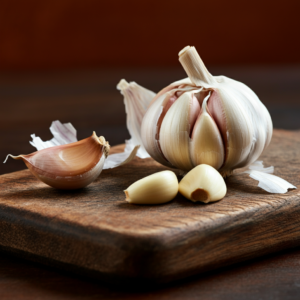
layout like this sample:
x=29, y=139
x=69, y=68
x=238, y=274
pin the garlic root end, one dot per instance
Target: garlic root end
x=127, y=196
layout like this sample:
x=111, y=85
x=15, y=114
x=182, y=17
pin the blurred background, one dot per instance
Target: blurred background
x=62, y=59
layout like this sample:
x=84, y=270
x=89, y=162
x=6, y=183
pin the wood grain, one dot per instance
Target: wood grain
x=94, y=231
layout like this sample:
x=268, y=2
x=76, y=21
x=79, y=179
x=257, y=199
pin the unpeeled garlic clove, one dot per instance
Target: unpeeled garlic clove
x=70, y=166
x=175, y=130
x=203, y=183
x=157, y=188
x=207, y=145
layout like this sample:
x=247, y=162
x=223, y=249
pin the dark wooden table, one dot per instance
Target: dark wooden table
x=88, y=99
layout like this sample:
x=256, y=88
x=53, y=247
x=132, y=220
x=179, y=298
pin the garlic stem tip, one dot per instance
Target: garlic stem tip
x=122, y=85
x=12, y=156
x=185, y=49
x=105, y=144
x=8, y=155
x=127, y=196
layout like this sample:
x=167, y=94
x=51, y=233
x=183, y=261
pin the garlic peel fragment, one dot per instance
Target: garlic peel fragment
x=157, y=188
x=266, y=180
x=136, y=100
x=270, y=183
x=62, y=134
x=119, y=159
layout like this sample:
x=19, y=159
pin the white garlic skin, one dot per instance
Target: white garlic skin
x=234, y=112
x=203, y=183
x=157, y=188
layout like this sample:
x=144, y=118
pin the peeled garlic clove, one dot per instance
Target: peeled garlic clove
x=175, y=131
x=157, y=188
x=70, y=166
x=206, y=146
x=203, y=183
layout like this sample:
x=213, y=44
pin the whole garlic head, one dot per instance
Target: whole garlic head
x=205, y=119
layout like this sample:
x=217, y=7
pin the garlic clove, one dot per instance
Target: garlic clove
x=157, y=188
x=70, y=166
x=153, y=119
x=203, y=183
x=174, y=136
x=149, y=131
x=206, y=146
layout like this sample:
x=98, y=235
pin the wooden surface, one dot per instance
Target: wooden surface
x=30, y=101
x=95, y=232
x=274, y=277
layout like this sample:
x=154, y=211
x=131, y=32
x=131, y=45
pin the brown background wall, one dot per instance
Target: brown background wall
x=53, y=34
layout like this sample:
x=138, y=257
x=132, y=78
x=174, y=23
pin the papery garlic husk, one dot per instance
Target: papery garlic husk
x=203, y=183
x=69, y=166
x=157, y=188
x=205, y=119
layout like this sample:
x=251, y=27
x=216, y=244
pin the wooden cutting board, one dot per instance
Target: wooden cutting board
x=94, y=231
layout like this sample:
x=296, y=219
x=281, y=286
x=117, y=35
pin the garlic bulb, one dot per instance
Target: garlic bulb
x=69, y=166
x=202, y=119
x=205, y=119
x=157, y=188
x=203, y=183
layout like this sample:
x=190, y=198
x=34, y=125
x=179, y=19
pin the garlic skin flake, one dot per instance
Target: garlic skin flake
x=267, y=181
x=69, y=166
x=65, y=133
x=62, y=134
x=203, y=183
x=157, y=188
x=136, y=100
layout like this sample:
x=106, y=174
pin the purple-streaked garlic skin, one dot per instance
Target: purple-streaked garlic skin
x=239, y=124
x=70, y=166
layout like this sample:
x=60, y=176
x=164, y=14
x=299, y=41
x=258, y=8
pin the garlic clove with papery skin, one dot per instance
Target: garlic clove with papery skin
x=69, y=166
x=206, y=146
x=157, y=188
x=175, y=130
x=203, y=183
